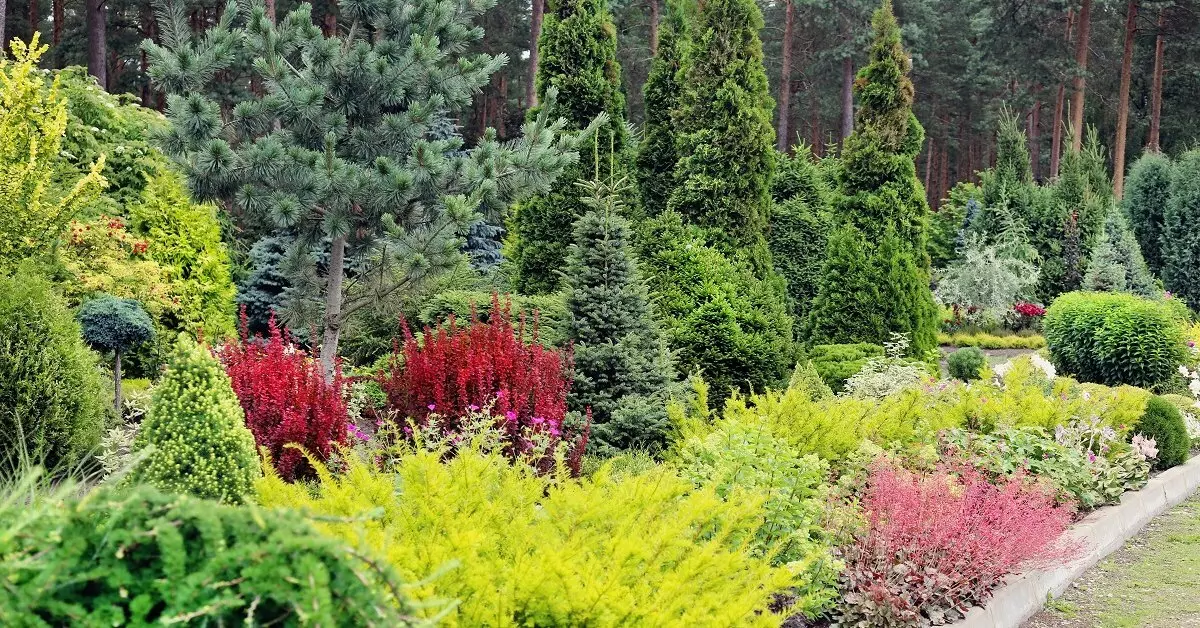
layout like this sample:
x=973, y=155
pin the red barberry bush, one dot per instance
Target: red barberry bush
x=286, y=398
x=936, y=544
x=453, y=371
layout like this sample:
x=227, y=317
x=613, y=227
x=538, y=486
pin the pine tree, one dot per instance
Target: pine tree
x=1006, y=187
x=657, y=154
x=725, y=141
x=877, y=279
x=1180, y=237
x=1117, y=264
x=578, y=57
x=1070, y=215
x=201, y=445
x=1147, y=193
x=622, y=365
x=339, y=144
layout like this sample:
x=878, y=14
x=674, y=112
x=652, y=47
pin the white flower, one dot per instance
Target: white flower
x=1044, y=365
x=1002, y=369
x=1183, y=370
x=1146, y=447
x=1194, y=386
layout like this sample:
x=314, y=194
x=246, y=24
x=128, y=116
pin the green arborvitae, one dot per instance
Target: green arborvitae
x=725, y=138
x=141, y=557
x=876, y=281
x=1180, y=236
x=621, y=358
x=800, y=223
x=195, y=425
x=1147, y=193
x=657, y=154
x=578, y=48
x=52, y=408
x=1117, y=264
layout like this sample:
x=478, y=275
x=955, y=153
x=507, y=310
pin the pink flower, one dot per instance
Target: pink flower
x=432, y=407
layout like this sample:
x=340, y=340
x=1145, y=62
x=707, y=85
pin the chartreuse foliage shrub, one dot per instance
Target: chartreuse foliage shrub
x=1164, y=423
x=992, y=341
x=838, y=363
x=140, y=557
x=35, y=203
x=52, y=397
x=197, y=430
x=517, y=549
x=1116, y=339
x=738, y=455
x=966, y=364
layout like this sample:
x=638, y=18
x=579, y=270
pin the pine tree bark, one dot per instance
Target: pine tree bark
x=785, y=81
x=847, y=97
x=270, y=7
x=654, y=18
x=56, y=34
x=95, y=20
x=332, y=322
x=3, y=15
x=1123, y=104
x=1156, y=92
x=1081, y=63
x=34, y=18
x=1035, y=136
x=535, y=32
x=1059, y=105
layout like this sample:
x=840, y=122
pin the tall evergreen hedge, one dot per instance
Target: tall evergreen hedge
x=1147, y=194
x=1180, y=235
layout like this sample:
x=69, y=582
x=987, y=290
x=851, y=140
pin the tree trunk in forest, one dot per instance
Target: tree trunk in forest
x=1059, y=105
x=1035, y=137
x=785, y=82
x=499, y=105
x=929, y=169
x=1157, y=89
x=56, y=34
x=535, y=32
x=1081, y=62
x=847, y=97
x=3, y=15
x=332, y=321
x=1123, y=103
x=654, y=27
x=96, y=47
x=943, y=185
x=34, y=18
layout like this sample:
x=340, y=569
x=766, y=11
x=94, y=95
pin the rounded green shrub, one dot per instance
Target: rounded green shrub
x=1114, y=339
x=1163, y=422
x=52, y=394
x=838, y=363
x=141, y=557
x=197, y=430
x=966, y=364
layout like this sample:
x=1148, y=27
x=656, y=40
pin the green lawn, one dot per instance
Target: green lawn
x=1154, y=581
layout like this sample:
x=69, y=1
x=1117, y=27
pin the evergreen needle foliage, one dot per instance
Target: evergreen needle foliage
x=1180, y=237
x=657, y=155
x=1117, y=264
x=117, y=325
x=1147, y=194
x=876, y=280
x=197, y=430
x=622, y=365
x=344, y=143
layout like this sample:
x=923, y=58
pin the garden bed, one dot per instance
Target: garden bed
x=1100, y=533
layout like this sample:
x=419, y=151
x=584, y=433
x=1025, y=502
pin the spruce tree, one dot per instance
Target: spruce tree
x=1117, y=264
x=1180, y=237
x=340, y=144
x=657, y=154
x=578, y=57
x=1007, y=186
x=622, y=365
x=876, y=282
x=1147, y=193
x=1070, y=215
x=725, y=141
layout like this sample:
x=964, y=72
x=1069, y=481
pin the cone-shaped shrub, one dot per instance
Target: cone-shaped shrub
x=882, y=286
x=197, y=430
x=1147, y=193
x=1180, y=237
x=657, y=154
x=286, y=399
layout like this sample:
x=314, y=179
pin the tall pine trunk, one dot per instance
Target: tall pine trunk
x=3, y=15
x=1081, y=63
x=1035, y=135
x=847, y=97
x=785, y=82
x=535, y=32
x=1059, y=105
x=56, y=8
x=1123, y=103
x=1156, y=92
x=332, y=321
x=34, y=17
x=654, y=18
x=96, y=46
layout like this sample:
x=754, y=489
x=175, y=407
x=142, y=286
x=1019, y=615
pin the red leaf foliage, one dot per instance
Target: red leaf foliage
x=938, y=543
x=286, y=398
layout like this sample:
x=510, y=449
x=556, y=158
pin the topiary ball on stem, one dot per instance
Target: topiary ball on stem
x=117, y=325
x=966, y=364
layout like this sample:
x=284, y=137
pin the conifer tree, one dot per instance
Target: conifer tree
x=800, y=221
x=726, y=141
x=1180, y=237
x=341, y=145
x=1147, y=193
x=578, y=57
x=877, y=279
x=1007, y=186
x=1070, y=215
x=622, y=365
x=657, y=154
x=1117, y=264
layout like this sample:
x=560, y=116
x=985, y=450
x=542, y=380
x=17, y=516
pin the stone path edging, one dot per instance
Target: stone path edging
x=1102, y=532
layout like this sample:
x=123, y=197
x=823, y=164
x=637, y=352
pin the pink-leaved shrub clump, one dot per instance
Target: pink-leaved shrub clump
x=287, y=399
x=937, y=543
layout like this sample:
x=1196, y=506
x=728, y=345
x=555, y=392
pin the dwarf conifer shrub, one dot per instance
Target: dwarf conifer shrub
x=197, y=430
x=1163, y=422
x=286, y=399
x=142, y=557
x=838, y=363
x=966, y=363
